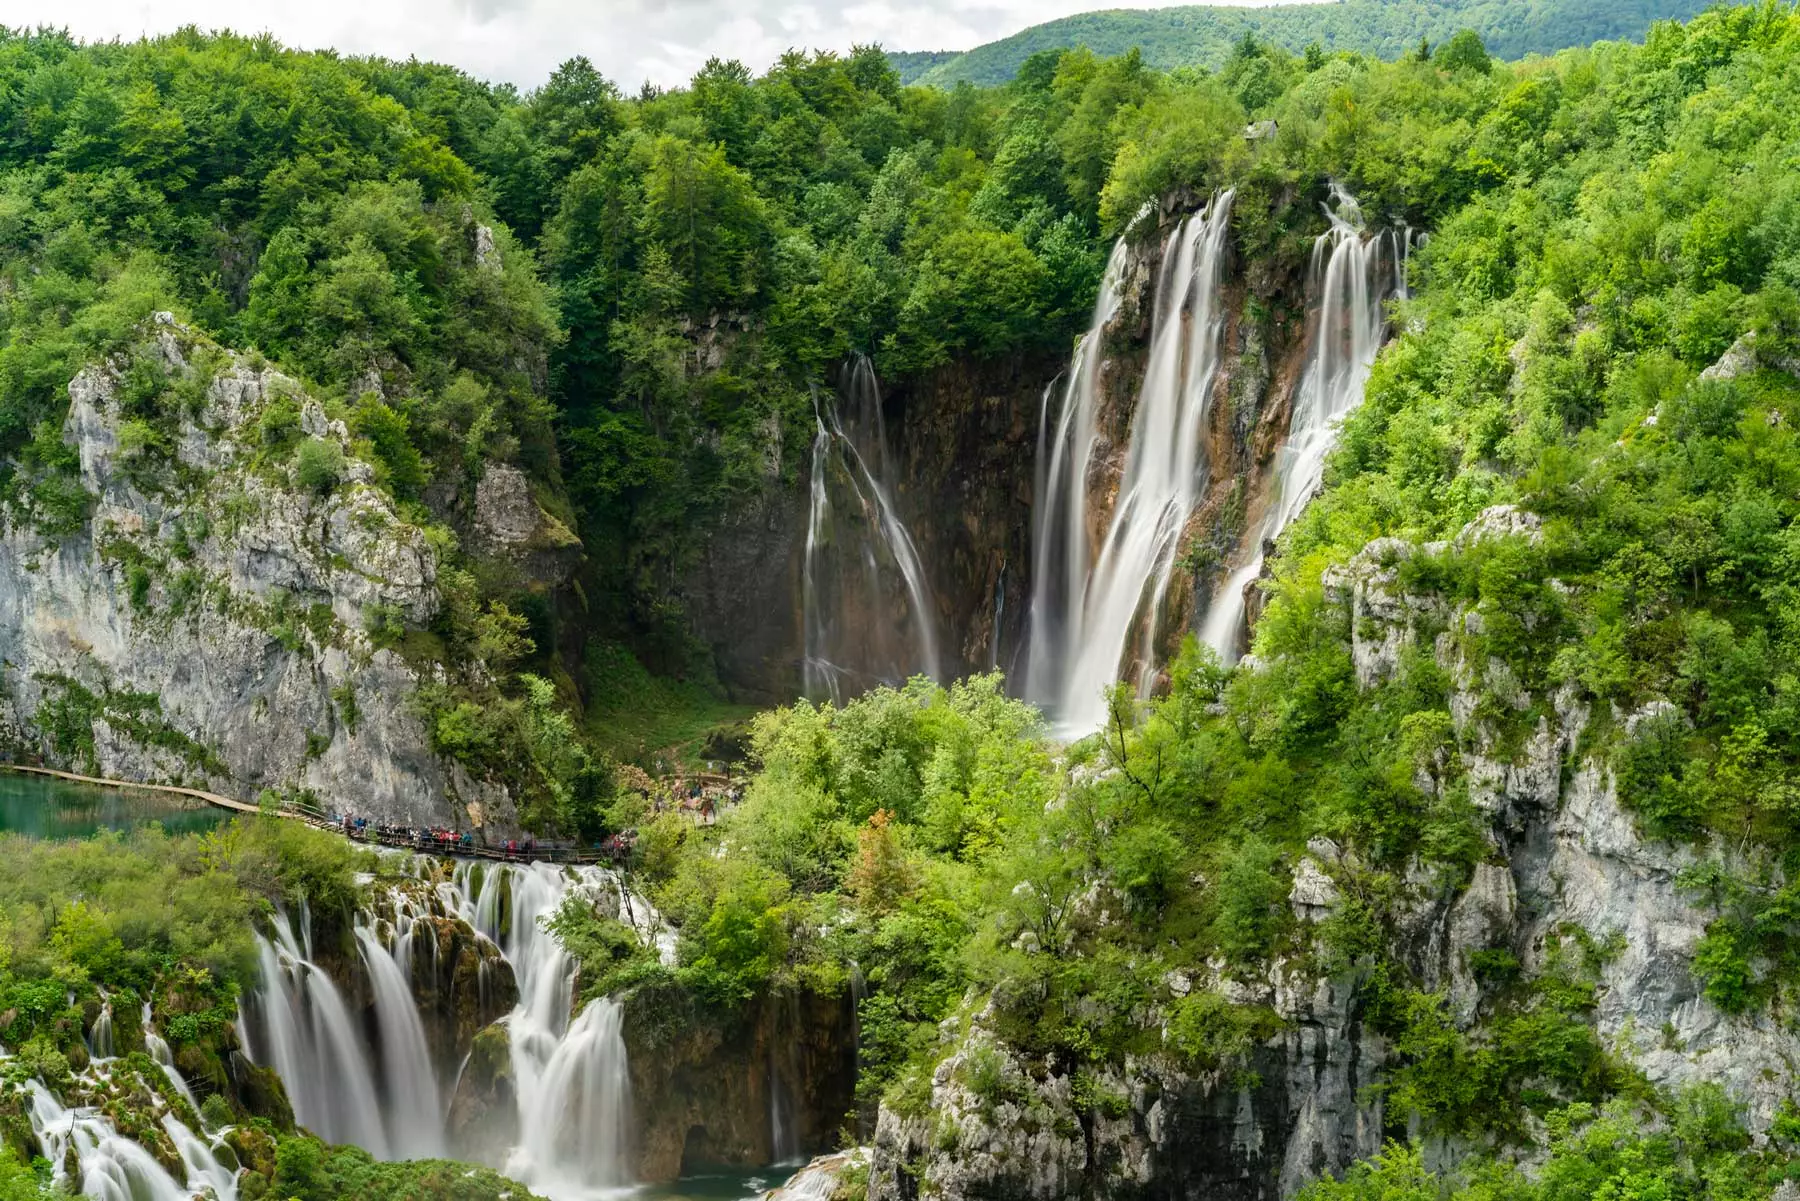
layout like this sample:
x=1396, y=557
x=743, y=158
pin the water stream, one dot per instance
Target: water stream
x=1352, y=276
x=866, y=604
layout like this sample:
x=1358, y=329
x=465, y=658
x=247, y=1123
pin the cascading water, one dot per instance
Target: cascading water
x=414, y=1109
x=164, y=1058
x=1059, y=533
x=313, y=1046
x=100, y=1041
x=1353, y=274
x=861, y=565
x=573, y=1128
x=571, y=1078
x=110, y=1167
x=1084, y=617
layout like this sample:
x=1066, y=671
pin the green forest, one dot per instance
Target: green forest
x=467, y=273
x=1200, y=36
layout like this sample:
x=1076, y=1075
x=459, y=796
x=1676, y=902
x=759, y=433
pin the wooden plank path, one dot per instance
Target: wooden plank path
x=424, y=844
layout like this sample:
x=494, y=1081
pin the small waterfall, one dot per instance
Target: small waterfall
x=860, y=560
x=111, y=1167
x=784, y=1073
x=100, y=1041
x=201, y=1160
x=573, y=1129
x=1084, y=617
x=1352, y=276
x=313, y=1045
x=414, y=1110
x=164, y=1058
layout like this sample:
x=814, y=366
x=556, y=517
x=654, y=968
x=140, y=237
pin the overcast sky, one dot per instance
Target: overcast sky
x=520, y=41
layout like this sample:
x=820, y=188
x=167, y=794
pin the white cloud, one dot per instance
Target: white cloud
x=521, y=41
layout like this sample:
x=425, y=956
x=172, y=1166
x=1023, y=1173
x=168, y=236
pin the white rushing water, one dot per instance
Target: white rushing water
x=377, y=1086
x=1353, y=275
x=1084, y=617
x=89, y=1156
x=860, y=560
x=313, y=1046
x=414, y=1110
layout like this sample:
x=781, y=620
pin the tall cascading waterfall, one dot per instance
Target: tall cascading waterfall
x=1352, y=276
x=861, y=562
x=1084, y=617
x=310, y=1041
x=1059, y=527
x=414, y=1108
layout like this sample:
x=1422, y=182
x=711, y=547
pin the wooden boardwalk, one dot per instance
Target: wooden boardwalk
x=424, y=844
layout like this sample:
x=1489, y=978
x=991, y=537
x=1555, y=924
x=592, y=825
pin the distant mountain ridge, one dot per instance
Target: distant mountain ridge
x=1203, y=36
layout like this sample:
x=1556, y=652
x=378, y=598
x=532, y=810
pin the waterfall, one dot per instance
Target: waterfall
x=111, y=1167
x=573, y=1129
x=100, y=1041
x=857, y=551
x=313, y=1046
x=1064, y=456
x=1351, y=277
x=164, y=1058
x=571, y=1079
x=1083, y=616
x=415, y=1117
x=201, y=1161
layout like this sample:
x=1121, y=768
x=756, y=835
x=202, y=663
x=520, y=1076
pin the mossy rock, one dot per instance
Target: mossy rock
x=254, y=1147
x=260, y=1094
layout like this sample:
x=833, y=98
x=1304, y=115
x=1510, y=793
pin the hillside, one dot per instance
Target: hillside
x=1203, y=36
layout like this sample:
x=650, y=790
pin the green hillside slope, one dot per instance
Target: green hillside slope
x=1203, y=36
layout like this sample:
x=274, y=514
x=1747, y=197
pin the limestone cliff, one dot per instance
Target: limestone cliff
x=1562, y=856
x=210, y=621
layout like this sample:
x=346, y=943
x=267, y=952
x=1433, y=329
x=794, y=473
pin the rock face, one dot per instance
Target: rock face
x=1563, y=856
x=770, y=1085
x=208, y=623
x=963, y=449
x=1300, y=1106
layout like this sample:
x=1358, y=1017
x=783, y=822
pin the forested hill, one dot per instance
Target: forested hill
x=1203, y=36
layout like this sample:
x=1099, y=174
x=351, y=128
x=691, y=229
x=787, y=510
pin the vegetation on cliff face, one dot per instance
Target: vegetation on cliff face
x=1606, y=226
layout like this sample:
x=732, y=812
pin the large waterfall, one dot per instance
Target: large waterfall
x=1098, y=597
x=1353, y=274
x=867, y=610
x=1084, y=618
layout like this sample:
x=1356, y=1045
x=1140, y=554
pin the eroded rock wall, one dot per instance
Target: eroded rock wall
x=209, y=623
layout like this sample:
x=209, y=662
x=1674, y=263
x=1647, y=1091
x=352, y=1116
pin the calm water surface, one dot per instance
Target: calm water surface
x=46, y=807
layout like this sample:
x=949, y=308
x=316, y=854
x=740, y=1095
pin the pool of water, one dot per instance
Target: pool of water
x=718, y=1186
x=46, y=807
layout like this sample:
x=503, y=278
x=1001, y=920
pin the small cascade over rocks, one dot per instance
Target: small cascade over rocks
x=89, y=1156
x=1085, y=617
x=867, y=611
x=100, y=1040
x=1352, y=276
x=158, y=1049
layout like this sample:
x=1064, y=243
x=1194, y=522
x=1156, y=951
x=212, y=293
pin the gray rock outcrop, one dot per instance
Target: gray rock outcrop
x=211, y=621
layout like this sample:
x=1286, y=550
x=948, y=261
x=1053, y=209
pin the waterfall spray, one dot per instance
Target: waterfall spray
x=1352, y=275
